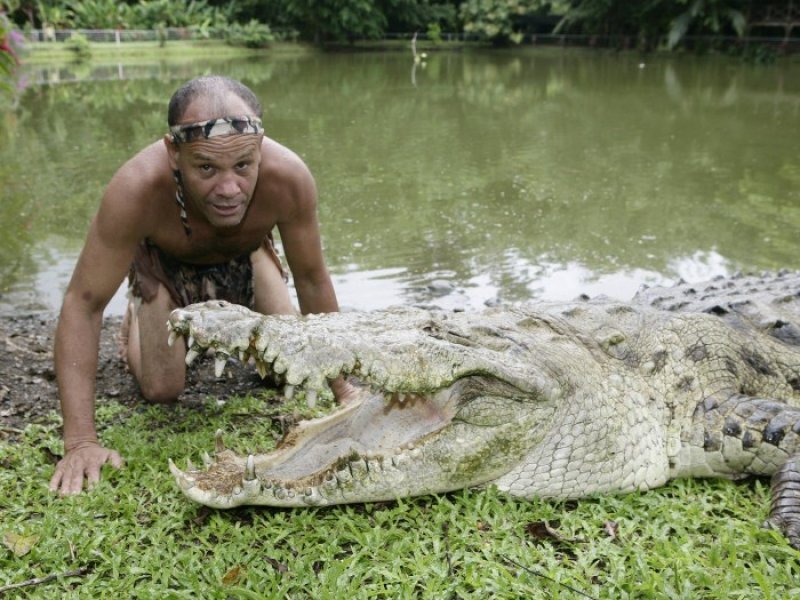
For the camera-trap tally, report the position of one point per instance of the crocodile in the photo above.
(540, 399)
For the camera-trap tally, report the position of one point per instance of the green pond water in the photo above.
(476, 177)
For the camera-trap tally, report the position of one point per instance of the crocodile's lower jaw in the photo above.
(320, 459)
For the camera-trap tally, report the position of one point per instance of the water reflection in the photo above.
(490, 177)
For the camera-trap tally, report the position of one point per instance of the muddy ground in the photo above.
(28, 392)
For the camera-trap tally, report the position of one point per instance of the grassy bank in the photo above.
(137, 536)
(48, 52)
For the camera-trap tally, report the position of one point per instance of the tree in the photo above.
(501, 21)
(709, 15)
(335, 20)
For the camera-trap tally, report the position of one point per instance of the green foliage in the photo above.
(655, 18)
(7, 55)
(149, 14)
(100, 14)
(418, 15)
(79, 45)
(499, 21)
(54, 14)
(249, 35)
(434, 32)
(335, 20)
(706, 15)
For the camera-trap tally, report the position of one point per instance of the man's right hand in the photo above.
(79, 463)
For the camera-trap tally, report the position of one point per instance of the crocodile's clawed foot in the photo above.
(784, 514)
(788, 526)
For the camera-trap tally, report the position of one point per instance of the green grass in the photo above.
(139, 537)
(42, 52)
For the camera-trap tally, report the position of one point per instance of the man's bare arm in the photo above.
(303, 247)
(101, 267)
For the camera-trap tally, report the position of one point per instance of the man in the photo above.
(191, 217)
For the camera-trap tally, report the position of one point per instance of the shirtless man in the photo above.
(191, 217)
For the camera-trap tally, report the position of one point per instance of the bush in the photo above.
(250, 35)
(79, 44)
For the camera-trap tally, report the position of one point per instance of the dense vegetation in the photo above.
(652, 22)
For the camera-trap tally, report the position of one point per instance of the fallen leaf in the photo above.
(235, 575)
(20, 545)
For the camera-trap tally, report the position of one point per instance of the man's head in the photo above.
(215, 144)
(214, 90)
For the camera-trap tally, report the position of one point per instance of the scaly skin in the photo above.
(549, 400)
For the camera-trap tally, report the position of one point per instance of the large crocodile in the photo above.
(543, 399)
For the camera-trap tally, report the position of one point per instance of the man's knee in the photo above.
(161, 390)
(271, 291)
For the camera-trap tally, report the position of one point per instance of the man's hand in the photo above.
(79, 463)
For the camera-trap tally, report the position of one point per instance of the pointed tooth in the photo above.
(190, 342)
(288, 392)
(173, 335)
(311, 398)
(250, 468)
(184, 481)
(190, 465)
(242, 356)
(219, 364)
(218, 443)
(191, 354)
(261, 367)
(207, 461)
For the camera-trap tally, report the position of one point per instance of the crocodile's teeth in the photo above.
(242, 356)
(173, 335)
(182, 478)
(191, 354)
(250, 469)
(218, 443)
(219, 364)
(190, 465)
(207, 461)
(190, 341)
(311, 398)
(288, 392)
(261, 367)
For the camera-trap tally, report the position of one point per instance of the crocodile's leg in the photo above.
(784, 513)
(758, 436)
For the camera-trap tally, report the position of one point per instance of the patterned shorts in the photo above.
(187, 283)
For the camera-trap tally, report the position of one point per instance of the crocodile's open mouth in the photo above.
(368, 433)
(398, 438)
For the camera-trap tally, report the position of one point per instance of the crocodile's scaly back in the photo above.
(558, 400)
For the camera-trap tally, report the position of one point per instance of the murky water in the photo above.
(473, 178)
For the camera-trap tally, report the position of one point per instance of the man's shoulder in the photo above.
(279, 161)
(138, 184)
(148, 166)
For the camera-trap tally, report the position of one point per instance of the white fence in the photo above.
(120, 36)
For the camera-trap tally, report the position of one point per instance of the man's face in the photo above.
(219, 176)
(220, 173)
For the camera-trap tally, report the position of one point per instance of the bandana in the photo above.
(215, 127)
